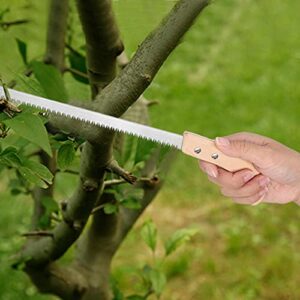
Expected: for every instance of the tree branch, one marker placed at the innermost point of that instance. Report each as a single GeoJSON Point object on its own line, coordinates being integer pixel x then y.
{"type": "Point", "coordinates": [66, 283]}
{"type": "Point", "coordinates": [7, 24]}
{"type": "Point", "coordinates": [114, 100]}
{"type": "Point", "coordinates": [114, 167]}
{"type": "Point", "coordinates": [57, 26]}
{"type": "Point", "coordinates": [139, 73]}
{"type": "Point", "coordinates": [126, 88]}
{"type": "Point", "coordinates": [94, 158]}
{"type": "Point", "coordinates": [102, 41]}
{"type": "Point", "coordinates": [151, 188]}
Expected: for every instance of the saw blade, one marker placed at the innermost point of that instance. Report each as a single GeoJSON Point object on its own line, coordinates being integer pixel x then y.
{"type": "Point", "coordinates": [96, 118]}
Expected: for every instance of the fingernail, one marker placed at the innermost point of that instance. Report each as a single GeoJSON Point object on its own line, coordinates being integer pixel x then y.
{"type": "Point", "coordinates": [212, 173]}
{"type": "Point", "coordinates": [264, 181]}
{"type": "Point", "coordinates": [261, 196]}
{"type": "Point", "coordinates": [222, 141]}
{"type": "Point", "coordinates": [248, 176]}
{"type": "Point", "coordinates": [260, 200]}
{"type": "Point", "coordinates": [263, 192]}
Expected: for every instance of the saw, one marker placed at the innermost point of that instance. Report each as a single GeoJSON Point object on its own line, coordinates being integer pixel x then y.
{"type": "Point", "coordinates": [189, 143]}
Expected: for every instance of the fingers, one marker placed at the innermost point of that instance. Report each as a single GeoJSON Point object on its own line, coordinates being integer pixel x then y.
{"type": "Point", "coordinates": [210, 169]}
{"type": "Point", "coordinates": [255, 186]}
{"type": "Point", "coordinates": [242, 186]}
{"type": "Point", "coordinates": [259, 154]}
{"type": "Point", "coordinates": [224, 178]}
{"type": "Point", "coordinates": [250, 137]}
{"type": "Point", "coordinates": [252, 200]}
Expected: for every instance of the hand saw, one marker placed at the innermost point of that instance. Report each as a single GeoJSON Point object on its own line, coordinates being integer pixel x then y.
{"type": "Point", "coordinates": [189, 143]}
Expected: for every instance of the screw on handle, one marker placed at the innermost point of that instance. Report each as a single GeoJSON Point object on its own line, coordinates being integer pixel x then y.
{"type": "Point", "coordinates": [204, 148]}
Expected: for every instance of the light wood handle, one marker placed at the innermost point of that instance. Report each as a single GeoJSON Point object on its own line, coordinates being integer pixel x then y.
{"type": "Point", "coordinates": [204, 148]}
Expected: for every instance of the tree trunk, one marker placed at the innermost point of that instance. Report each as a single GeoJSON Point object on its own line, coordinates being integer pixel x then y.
{"type": "Point", "coordinates": [87, 277]}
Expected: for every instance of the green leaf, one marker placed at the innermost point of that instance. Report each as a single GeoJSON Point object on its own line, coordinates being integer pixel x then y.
{"type": "Point", "coordinates": [110, 208]}
{"type": "Point", "coordinates": [51, 81]}
{"type": "Point", "coordinates": [117, 293]}
{"type": "Point", "coordinates": [9, 157]}
{"type": "Point", "coordinates": [30, 85]}
{"type": "Point", "coordinates": [31, 177]}
{"type": "Point", "coordinates": [3, 116]}
{"type": "Point", "coordinates": [78, 62]}
{"type": "Point", "coordinates": [158, 281]}
{"type": "Point", "coordinates": [22, 46]}
{"type": "Point", "coordinates": [149, 234]}
{"type": "Point", "coordinates": [131, 203]}
{"type": "Point", "coordinates": [65, 155]}
{"type": "Point", "coordinates": [30, 127]}
{"type": "Point", "coordinates": [144, 149]}
{"type": "Point", "coordinates": [129, 151]}
{"type": "Point", "coordinates": [179, 238]}
{"type": "Point", "coordinates": [40, 170]}
{"type": "Point", "coordinates": [163, 151]}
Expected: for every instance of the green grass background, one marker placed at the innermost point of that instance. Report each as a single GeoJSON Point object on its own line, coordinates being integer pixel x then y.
{"type": "Point", "coordinates": [238, 69]}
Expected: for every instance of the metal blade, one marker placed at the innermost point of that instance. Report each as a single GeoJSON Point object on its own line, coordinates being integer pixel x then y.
{"type": "Point", "coordinates": [70, 111]}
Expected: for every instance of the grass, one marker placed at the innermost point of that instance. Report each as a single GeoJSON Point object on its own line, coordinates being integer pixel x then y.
{"type": "Point", "coordinates": [238, 69]}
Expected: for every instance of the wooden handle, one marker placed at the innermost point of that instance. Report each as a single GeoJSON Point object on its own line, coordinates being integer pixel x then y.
{"type": "Point", "coordinates": [204, 149]}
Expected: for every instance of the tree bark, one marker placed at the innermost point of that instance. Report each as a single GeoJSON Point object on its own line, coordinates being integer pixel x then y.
{"type": "Point", "coordinates": [57, 26]}
{"type": "Point", "coordinates": [103, 41]}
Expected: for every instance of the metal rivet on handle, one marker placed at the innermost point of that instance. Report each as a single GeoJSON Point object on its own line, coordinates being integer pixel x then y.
{"type": "Point", "coordinates": [215, 155]}
{"type": "Point", "coordinates": [197, 150]}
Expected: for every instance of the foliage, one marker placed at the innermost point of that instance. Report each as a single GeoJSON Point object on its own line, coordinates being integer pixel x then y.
{"type": "Point", "coordinates": [254, 73]}
{"type": "Point", "coordinates": [153, 276]}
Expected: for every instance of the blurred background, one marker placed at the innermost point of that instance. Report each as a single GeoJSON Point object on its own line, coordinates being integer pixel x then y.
{"type": "Point", "coordinates": [238, 69]}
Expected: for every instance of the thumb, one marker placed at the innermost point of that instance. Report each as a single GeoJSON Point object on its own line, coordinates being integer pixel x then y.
{"type": "Point", "coordinates": [252, 152]}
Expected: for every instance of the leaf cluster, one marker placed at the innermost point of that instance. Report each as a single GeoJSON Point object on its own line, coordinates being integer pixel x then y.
{"type": "Point", "coordinates": [153, 277]}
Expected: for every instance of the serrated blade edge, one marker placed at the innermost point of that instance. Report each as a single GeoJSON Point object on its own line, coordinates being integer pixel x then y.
{"type": "Point", "coordinates": [96, 118]}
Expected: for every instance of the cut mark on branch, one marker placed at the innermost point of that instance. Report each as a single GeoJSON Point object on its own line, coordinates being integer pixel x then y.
{"type": "Point", "coordinates": [114, 167]}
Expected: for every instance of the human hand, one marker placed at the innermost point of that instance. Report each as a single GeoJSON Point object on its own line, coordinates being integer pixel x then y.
{"type": "Point", "coordinates": [278, 165]}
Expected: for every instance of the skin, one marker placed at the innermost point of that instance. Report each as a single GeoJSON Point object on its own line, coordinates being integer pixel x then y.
{"type": "Point", "coordinates": [279, 167]}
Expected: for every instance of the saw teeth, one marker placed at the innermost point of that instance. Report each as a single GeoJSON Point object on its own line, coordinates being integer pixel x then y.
{"type": "Point", "coordinates": [61, 114]}
{"type": "Point", "coordinates": [97, 119]}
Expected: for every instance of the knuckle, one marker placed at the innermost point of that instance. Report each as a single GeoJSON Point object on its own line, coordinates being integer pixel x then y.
{"type": "Point", "coordinates": [269, 154]}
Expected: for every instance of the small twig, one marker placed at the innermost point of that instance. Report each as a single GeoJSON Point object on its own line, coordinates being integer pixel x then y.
{"type": "Point", "coordinates": [151, 102]}
{"type": "Point", "coordinates": [6, 25]}
{"type": "Point", "coordinates": [140, 182]}
{"type": "Point", "coordinates": [110, 183]}
{"type": "Point", "coordinates": [68, 46]}
{"type": "Point", "coordinates": [146, 182]}
{"type": "Point", "coordinates": [38, 233]}
{"type": "Point", "coordinates": [122, 60]}
{"type": "Point", "coordinates": [97, 208]}
{"type": "Point", "coordinates": [67, 171]}
{"type": "Point", "coordinates": [76, 72]}
{"type": "Point", "coordinates": [114, 167]}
